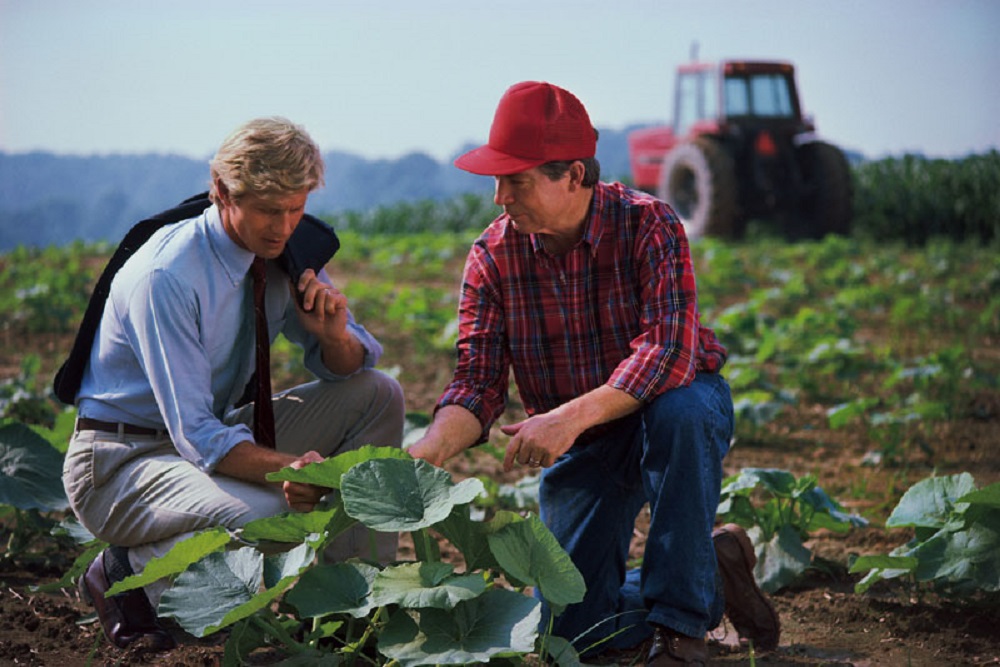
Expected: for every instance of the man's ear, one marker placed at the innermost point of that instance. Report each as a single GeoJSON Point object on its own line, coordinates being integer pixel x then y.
{"type": "Point", "coordinates": [223, 192]}
{"type": "Point", "coordinates": [576, 173]}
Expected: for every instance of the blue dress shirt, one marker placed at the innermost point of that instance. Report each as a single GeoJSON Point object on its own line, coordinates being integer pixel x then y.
{"type": "Point", "coordinates": [175, 346]}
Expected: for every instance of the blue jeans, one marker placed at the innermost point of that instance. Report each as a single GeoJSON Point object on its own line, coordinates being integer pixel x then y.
{"type": "Point", "coordinates": [670, 455]}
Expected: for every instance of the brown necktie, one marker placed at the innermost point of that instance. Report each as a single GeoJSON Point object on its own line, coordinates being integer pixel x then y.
{"type": "Point", "coordinates": [263, 410]}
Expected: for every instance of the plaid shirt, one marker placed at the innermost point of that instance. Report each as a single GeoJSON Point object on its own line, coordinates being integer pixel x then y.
{"type": "Point", "coordinates": [620, 309]}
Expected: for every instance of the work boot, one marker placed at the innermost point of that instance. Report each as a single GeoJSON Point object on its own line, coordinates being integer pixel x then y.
{"type": "Point", "coordinates": [127, 617]}
{"type": "Point", "coordinates": [672, 648]}
{"type": "Point", "coordinates": [749, 610]}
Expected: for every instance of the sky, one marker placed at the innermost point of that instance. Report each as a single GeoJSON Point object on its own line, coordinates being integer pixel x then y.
{"type": "Point", "coordinates": [383, 78]}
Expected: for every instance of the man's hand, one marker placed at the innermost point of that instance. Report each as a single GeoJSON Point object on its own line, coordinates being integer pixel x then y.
{"type": "Point", "coordinates": [453, 430]}
{"type": "Point", "coordinates": [303, 497]}
{"type": "Point", "coordinates": [323, 312]}
{"type": "Point", "coordinates": [538, 441]}
{"type": "Point", "coordinates": [322, 309]}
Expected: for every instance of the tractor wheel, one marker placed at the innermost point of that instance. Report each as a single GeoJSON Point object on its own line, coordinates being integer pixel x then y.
{"type": "Point", "coordinates": [698, 180]}
{"type": "Point", "coordinates": [826, 206]}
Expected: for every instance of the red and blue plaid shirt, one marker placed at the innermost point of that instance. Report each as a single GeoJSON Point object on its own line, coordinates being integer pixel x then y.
{"type": "Point", "coordinates": [620, 309]}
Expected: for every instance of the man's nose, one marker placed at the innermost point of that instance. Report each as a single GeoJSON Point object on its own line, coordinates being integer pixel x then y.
{"type": "Point", "coordinates": [289, 221]}
{"type": "Point", "coordinates": [501, 194]}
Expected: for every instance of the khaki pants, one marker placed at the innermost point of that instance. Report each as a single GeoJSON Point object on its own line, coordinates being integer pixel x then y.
{"type": "Point", "coordinates": [137, 492]}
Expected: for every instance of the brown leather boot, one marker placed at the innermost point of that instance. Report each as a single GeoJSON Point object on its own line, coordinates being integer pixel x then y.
{"type": "Point", "coordinates": [127, 617]}
{"type": "Point", "coordinates": [749, 610]}
{"type": "Point", "coordinates": [672, 648]}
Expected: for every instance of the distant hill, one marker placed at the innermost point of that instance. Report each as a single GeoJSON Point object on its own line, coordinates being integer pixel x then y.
{"type": "Point", "coordinates": [48, 199]}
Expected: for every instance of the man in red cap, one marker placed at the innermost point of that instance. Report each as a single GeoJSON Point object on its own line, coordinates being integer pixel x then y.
{"type": "Point", "coordinates": [586, 291]}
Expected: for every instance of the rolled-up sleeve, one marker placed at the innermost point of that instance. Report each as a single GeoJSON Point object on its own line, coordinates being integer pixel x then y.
{"type": "Point", "coordinates": [482, 372]}
{"type": "Point", "coordinates": [665, 352]}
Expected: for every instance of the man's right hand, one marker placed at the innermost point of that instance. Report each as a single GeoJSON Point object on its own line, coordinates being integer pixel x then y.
{"type": "Point", "coordinates": [453, 430]}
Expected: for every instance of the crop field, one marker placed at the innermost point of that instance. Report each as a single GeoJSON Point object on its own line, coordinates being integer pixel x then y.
{"type": "Point", "coordinates": [866, 464]}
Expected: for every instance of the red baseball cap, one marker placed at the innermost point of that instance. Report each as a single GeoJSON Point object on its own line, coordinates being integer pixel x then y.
{"type": "Point", "coordinates": [535, 123]}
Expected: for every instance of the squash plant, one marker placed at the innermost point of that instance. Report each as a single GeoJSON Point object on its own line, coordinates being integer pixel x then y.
{"type": "Point", "coordinates": [779, 512]}
{"type": "Point", "coordinates": [406, 613]}
{"type": "Point", "coordinates": [956, 543]}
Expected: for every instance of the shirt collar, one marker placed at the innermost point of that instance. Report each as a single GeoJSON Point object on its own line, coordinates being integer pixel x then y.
{"type": "Point", "coordinates": [593, 228]}
{"type": "Point", "coordinates": [235, 260]}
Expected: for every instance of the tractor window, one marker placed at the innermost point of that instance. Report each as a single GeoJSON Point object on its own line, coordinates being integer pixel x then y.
{"type": "Point", "coordinates": [737, 96]}
{"type": "Point", "coordinates": [770, 95]}
{"type": "Point", "coordinates": [758, 95]}
{"type": "Point", "coordinates": [696, 99]}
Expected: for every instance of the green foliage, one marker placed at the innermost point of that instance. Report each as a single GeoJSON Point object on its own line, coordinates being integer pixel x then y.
{"type": "Point", "coordinates": [409, 613]}
{"type": "Point", "coordinates": [46, 289]}
{"type": "Point", "coordinates": [30, 491]}
{"type": "Point", "coordinates": [956, 543]}
{"type": "Point", "coordinates": [916, 199]}
{"type": "Point", "coordinates": [463, 213]}
{"type": "Point", "coordinates": [779, 513]}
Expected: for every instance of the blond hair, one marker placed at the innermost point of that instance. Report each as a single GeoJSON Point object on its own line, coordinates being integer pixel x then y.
{"type": "Point", "coordinates": [267, 156]}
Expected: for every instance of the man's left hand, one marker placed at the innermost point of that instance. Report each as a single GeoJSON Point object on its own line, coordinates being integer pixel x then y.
{"type": "Point", "coordinates": [538, 441]}
{"type": "Point", "coordinates": [322, 309]}
{"type": "Point", "coordinates": [304, 497]}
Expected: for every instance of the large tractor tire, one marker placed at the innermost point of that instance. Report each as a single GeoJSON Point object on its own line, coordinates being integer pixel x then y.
{"type": "Point", "coordinates": [826, 205]}
{"type": "Point", "coordinates": [698, 180]}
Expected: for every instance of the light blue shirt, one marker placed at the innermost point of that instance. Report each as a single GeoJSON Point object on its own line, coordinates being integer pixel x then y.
{"type": "Point", "coordinates": [175, 346]}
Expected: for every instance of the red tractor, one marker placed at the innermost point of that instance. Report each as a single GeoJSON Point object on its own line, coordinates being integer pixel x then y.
{"type": "Point", "coordinates": [740, 148]}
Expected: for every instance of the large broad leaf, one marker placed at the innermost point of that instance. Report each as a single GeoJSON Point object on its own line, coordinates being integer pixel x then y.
{"type": "Point", "coordinates": [328, 473]}
{"type": "Point", "coordinates": [30, 471]}
{"type": "Point", "coordinates": [392, 495]}
{"type": "Point", "coordinates": [782, 560]}
{"type": "Point", "coordinates": [496, 622]}
{"type": "Point", "coordinates": [201, 597]}
{"type": "Point", "coordinates": [988, 496]}
{"type": "Point", "coordinates": [340, 588]}
{"type": "Point", "coordinates": [418, 585]}
{"type": "Point", "coordinates": [829, 513]}
{"type": "Point", "coordinates": [529, 553]}
{"type": "Point", "coordinates": [287, 564]}
{"type": "Point", "coordinates": [561, 652]}
{"type": "Point", "coordinates": [177, 560]}
{"type": "Point", "coordinates": [970, 557]}
{"type": "Point", "coordinates": [881, 567]}
{"type": "Point", "coordinates": [297, 527]}
{"type": "Point", "coordinates": [931, 502]}
{"type": "Point", "coordinates": [471, 537]}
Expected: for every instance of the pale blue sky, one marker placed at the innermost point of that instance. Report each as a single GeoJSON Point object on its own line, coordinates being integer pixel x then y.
{"type": "Point", "coordinates": [383, 78]}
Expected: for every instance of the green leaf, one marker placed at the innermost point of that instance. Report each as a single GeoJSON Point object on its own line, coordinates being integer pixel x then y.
{"type": "Point", "coordinates": [393, 495]}
{"type": "Point", "coordinates": [988, 496]}
{"type": "Point", "coordinates": [244, 638]}
{"type": "Point", "coordinates": [340, 588]}
{"type": "Point", "coordinates": [901, 563]}
{"type": "Point", "coordinates": [969, 556]}
{"type": "Point", "coordinates": [177, 560]}
{"type": "Point", "coordinates": [782, 560]}
{"type": "Point", "coordinates": [296, 526]}
{"type": "Point", "coordinates": [287, 564]}
{"type": "Point", "coordinates": [30, 471]}
{"type": "Point", "coordinates": [561, 652]}
{"type": "Point", "coordinates": [931, 502]}
{"type": "Point", "coordinates": [425, 585]}
{"type": "Point", "coordinates": [529, 553]}
{"type": "Point", "coordinates": [470, 537]}
{"type": "Point", "coordinates": [830, 514]}
{"type": "Point", "coordinates": [328, 473]}
{"type": "Point", "coordinates": [499, 621]}
{"type": "Point", "coordinates": [219, 590]}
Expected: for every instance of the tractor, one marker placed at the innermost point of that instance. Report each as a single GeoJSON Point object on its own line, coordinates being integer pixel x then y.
{"type": "Point", "coordinates": [740, 149]}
